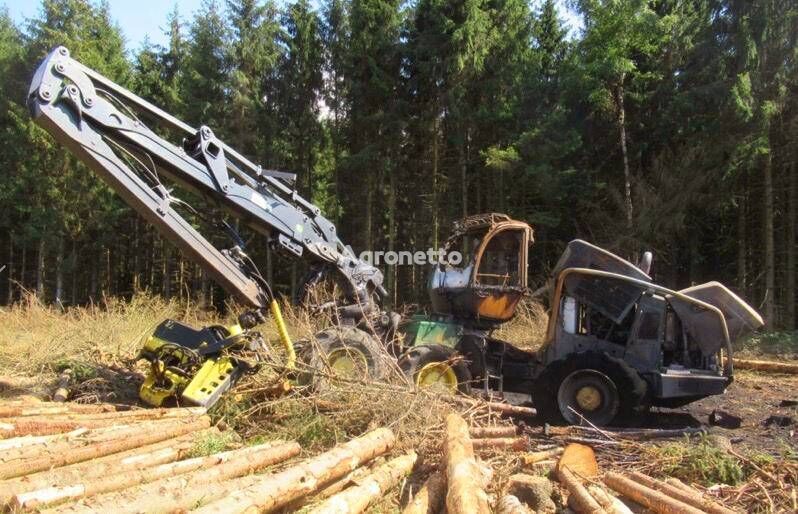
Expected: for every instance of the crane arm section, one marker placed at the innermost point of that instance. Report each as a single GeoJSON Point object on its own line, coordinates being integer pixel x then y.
{"type": "Point", "coordinates": [101, 123]}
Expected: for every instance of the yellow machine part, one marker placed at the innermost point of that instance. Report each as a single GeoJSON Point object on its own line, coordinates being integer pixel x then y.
{"type": "Point", "coordinates": [213, 378]}
{"type": "Point", "coordinates": [285, 339]}
{"type": "Point", "coordinates": [153, 394]}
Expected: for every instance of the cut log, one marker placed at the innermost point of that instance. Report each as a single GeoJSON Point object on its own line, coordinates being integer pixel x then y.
{"type": "Point", "coordinates": [694, 498]}
{"type": "Point", "coordinates": [15, 427]}
{"type": "Point", "coordinates": [328, 490]}
{"type": "Point", "coordinates": [580, 459]}
{"type": "Point", "coordinates": [487, 432]}
{"type": "Point", "coordinates": [35, 440]}
{"type": "Point", "coordinates": [608, 502]}
{"type": "Point", "coordinates": [531, 458]}
{"type": "Point", "coordinates": [429, 498]}
{"type": "Point", "coordinates": [62, 389]}
{"type": "Point", "coordinates": [186, 492]}
{"type": "Point", "coordinates": [501, 443]}
{"type": "Point", "coordinates": [60, 443]}
{"type": "Point", "coordinates": [356, 499]}
{"type": "Point", "coordinates": [118, 416]}
{"type": "Point", "coordinates": [52, 408]}
{"type": "Point", "coordinates": [276, 490]}
{"type": "Point", "coordinates": [63, 492]}
{"type": "Point", "coordinates": [179, 427]}
{"type": "Point", "coordinates": [137, 458]}
{"type": "Point", "coordinates": [790, 368]}
{"type": "Point", "coordinates": [579, 499]}
{"type": "Point", "coordinates": [509, 504]}
{"type": "Point", "coordinates": [649, 498]}
{"type": "Point", "coordinates": [466, 494]}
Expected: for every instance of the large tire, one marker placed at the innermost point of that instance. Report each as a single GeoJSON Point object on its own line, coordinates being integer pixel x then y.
{"type": "Point", "coordinates": [434, 365]}
{"type": "Point", "coordinates": [603, 389]}
{"type": "Point", "coordinates": [347, 352]}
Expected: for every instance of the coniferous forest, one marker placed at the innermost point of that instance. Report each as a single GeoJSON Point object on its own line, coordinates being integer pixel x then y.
{"type": "Point", "coordinates": [667, 125]}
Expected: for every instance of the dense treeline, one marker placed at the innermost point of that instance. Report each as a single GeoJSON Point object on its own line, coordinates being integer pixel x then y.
{"type": "Point", "coordinates": [666, 125]}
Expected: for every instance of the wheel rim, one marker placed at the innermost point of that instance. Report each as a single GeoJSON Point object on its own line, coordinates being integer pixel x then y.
{"type": "Point", "coordinates": [347, 362]}
{"type": "Point", "coordinates": [591, 394]}
{"type": "Point", "coordinates": [437, 375]}
{"type": "Point", "coordinates": [588, 398]}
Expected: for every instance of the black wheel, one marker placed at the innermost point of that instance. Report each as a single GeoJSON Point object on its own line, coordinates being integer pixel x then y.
{"type": "Point", "coordinates": [438, 367]}
{"type": "Point", "coordinates": [346, 352]}
{"type": "Point", "coordinates": [600, 388]}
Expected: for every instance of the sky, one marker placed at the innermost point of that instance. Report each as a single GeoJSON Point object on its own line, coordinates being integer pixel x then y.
{"type": "Point", "coordinates": [147, 18]}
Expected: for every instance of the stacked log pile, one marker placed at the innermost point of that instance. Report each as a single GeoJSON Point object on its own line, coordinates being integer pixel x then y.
{"type": "Point", "coordinates": [463, 485]}
{"type": "Point", "coordinates": [62, 457]}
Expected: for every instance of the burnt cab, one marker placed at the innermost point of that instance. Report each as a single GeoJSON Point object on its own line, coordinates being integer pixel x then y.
{"type": "Point", "coordinates": [489, 278]}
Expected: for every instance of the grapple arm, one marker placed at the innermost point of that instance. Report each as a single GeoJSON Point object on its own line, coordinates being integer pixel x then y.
{"type": "Point", "coordinates": [99, 122]}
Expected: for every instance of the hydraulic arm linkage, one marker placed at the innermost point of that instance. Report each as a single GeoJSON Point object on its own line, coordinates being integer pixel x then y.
{"type": "Point", "coordinates": [101, 123]}
{"type": "Point", "coordinates": [98, 120]}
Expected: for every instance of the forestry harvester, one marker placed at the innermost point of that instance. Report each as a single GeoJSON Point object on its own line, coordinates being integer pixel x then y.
{"type": "Point", "coordinates": [616, 342]}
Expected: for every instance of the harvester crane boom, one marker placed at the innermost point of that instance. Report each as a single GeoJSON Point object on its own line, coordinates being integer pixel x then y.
{"type": "Point", "coordinates": [99, 121]}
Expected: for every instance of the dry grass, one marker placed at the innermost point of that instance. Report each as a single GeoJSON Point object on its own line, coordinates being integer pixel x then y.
{"type": "Point", "coordinates": [528, 329]}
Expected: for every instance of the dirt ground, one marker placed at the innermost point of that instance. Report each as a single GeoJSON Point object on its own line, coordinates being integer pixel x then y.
{"type": "Point", "coordinates": [754, 397]}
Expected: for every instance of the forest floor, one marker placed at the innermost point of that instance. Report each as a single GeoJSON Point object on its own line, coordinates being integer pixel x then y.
{"type": "Point", "coordinates": [100, 346]}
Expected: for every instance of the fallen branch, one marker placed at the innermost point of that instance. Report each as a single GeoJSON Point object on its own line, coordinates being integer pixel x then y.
{"type": "Point", "coordinates": [502, 408]}
{"type": "Point", "coordinates": [465, 494]}
{"type": "Point", "coordinates": [356, 499]}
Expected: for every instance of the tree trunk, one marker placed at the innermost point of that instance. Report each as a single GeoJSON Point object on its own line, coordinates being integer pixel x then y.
{"type": "Point", "coordinates": [627, 175]}
{"type": "Point", "coordinates": [464, 174]}
{"type": "Point", "coordinates": [167, 270]}
{"type": "Point", "coordinates": [792, 207]}
{"type": "Point", "coordinates": [434, 193]}
{"type": "Point", "coordinates": [391, 271]}
{"type": "Point", "coordinates": [40, 268]}
{"type": "Point", "coordinates": [73, 261]}
{"type": "Point", "coordinates": [10, 270]}
{"type": "Point", "coordinates": [59, 272]}
{"type": "Point", "coordinates": [23, 266]}
{"type": "Point", "coordinates": [367, 242]}
{"type": "Point", "coordinates": [742, 241]}
{"type": "Point", "coordinates": [93, 283]}
{"type": "Point", "coordinates": [136, 256]}
{"type": "Point", "coordinates": [769, 243]}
